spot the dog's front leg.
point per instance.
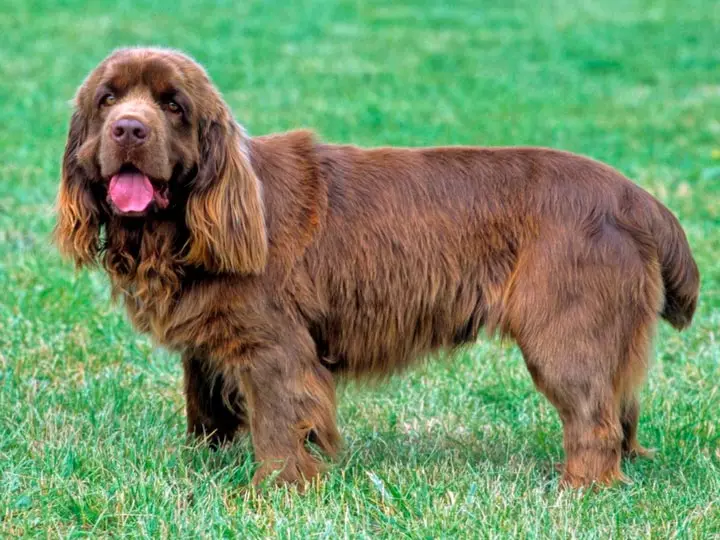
(291, 401)
(215, 406)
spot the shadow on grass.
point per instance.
(430, 455)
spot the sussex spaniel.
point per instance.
(275, 264)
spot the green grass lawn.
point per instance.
(92, 437)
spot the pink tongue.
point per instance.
(131, 192)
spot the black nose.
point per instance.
(128, 132)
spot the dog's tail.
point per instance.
(656, 229)
(679, 272)
(660, 237)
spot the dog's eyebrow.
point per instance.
(118, 81)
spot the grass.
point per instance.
(91, 423)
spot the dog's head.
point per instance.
(151, 139)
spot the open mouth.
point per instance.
(132, 192)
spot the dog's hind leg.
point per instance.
(582, 311)
(629, 415)
(632, 374)
(576, 382)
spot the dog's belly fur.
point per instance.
(407, 302)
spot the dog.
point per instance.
(276, 265)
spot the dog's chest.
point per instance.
(150, 304)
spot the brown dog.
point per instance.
(275, 264)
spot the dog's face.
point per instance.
(151, 138)
(141, 110)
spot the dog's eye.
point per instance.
(173, 107)
(108, 100)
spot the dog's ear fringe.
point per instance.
(77, 227)
(225, 213)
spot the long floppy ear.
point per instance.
(225, 213)
(78, 218)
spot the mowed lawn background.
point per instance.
(92, 429)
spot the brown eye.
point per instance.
(173, 107)
(108, 101)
